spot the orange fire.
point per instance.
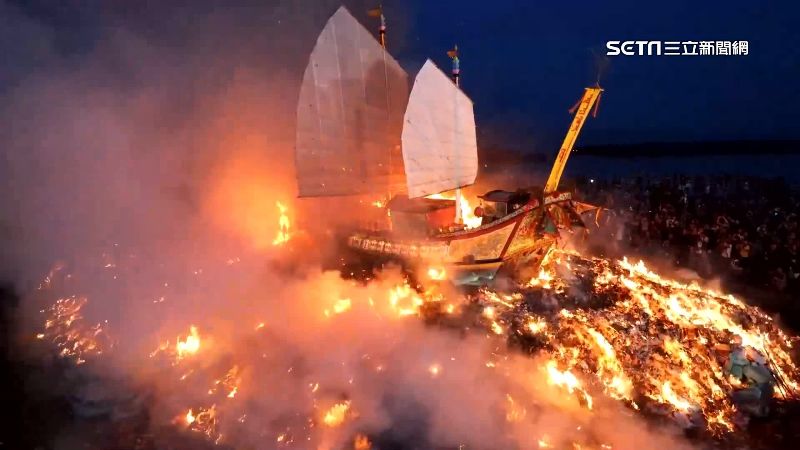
(241, 195)
(361, 442)
(543, 279)
(437, 273)
(656, 339)
(67, 329)
(337, 414)
(202, 420)
(283, 226)
(190, 418)
(652, 341)
(341, 305)
(190, 345)
(536, 325)
(184, 347)
(568, 381)
(467, 210)
(404, 300)
(514, 411)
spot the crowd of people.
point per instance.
(742, 229)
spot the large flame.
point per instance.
(283, 226)
(190, 345)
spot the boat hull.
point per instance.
(513, 243)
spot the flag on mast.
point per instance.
(453, 54)
(378, 12)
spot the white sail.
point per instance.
(440, 150)
(349, 114)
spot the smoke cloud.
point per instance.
(145, 150)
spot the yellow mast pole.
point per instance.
(590, 96)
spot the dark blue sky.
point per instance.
(524, 63)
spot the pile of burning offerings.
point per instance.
(653, 343)
(603, 333)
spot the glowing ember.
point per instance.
(66, 328)
(228, 384)
(496, 328)
(543, 279)
(536, 325)
(283, 224)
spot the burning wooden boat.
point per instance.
(360, 132)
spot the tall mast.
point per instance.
(378, 12)
(382, 29)
(456, 73)
(590, 96)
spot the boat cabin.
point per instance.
(420, 216)
(498, 203)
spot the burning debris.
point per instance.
(66, 328)
(183, 348)
(600, 333)
(650, 342)
(204, 421)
